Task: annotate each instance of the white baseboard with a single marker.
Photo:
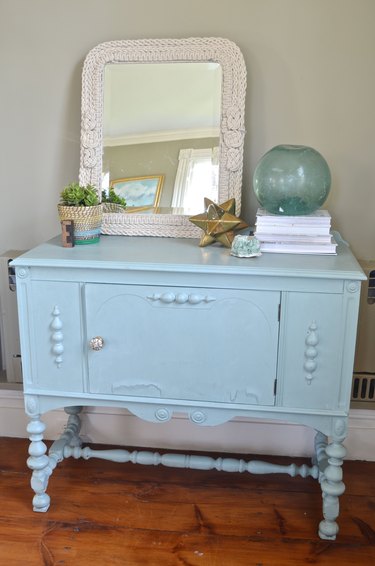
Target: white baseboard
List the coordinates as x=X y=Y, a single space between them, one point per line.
x=116 y=426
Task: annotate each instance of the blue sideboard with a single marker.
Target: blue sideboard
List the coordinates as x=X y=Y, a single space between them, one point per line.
x=160 y=325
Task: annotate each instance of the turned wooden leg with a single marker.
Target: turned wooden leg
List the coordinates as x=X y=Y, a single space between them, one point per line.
x=332 y=487
x=73 y=425
x=70 y=437
x=38 y=461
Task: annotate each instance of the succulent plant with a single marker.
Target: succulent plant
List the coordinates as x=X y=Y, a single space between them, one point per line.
x=113 y=197
x=77 y=195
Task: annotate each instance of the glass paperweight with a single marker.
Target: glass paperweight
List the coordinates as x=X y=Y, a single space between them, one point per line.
x=292 y=180
x=245 y=246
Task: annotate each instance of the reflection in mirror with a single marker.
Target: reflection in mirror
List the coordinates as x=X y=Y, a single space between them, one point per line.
x=140 y=193
x=171 y=109
x=163 y=119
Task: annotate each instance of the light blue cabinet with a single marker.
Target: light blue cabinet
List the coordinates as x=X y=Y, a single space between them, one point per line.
x=159 y=326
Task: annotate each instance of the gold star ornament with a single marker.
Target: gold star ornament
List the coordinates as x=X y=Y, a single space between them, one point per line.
x=218 y=222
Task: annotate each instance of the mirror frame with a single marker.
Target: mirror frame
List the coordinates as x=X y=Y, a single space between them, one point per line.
x=232 y=127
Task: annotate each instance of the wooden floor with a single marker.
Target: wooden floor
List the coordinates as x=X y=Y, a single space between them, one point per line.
x=106 y=514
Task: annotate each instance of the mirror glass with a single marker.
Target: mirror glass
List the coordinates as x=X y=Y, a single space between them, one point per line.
x=161 y=134
x=163 y=124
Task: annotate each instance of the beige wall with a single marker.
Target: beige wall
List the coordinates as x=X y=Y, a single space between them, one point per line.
x=310 y=81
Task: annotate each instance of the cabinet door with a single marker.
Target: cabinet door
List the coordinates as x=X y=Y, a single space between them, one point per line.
x=188 y=344
x=56 y=347
x=310 y=350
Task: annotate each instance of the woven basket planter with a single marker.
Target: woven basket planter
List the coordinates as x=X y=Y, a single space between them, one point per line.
x=87 y=222
x=112 y=207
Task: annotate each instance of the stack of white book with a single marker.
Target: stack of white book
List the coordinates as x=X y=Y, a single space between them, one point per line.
x=310 y=234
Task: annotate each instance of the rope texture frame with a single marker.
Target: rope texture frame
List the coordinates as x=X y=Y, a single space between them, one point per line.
x=232 y=127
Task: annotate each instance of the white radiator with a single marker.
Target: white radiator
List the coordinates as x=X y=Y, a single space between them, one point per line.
x=9 y=334
x=363 y=390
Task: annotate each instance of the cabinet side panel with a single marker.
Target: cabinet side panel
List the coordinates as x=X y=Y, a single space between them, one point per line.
x=311 y=350
x=57 y=331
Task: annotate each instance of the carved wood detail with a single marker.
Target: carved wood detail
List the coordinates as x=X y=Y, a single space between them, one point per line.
x=311 y=341
x=181 y=298
x=57 y=336
x=193 y=462
x=38 y=461
x=332 y=487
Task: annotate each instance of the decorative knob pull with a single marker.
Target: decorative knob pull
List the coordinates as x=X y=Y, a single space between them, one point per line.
x=96 y=343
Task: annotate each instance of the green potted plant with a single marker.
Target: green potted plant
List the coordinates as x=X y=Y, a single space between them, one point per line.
x=112 y=202
x=81 y=205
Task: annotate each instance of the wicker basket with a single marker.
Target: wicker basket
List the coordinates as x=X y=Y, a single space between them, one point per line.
x=112 y=207
x=87 y=221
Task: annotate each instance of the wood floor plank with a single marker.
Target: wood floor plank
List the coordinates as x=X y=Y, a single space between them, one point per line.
x=107 y=513
x=83 y=544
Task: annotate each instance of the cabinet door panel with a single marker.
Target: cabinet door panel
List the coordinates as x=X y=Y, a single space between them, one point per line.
x=310 y=345
x=188 y=344
x=57 y=351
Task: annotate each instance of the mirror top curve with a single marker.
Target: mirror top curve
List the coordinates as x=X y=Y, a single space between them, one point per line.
x=230 y=130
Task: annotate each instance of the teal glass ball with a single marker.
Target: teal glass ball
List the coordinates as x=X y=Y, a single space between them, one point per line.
x=292 y=180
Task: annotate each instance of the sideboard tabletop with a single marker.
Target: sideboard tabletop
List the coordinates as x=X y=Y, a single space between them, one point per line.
x=176 y=254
